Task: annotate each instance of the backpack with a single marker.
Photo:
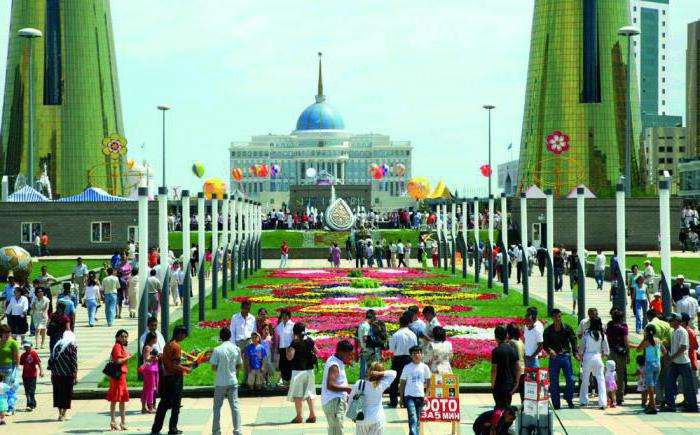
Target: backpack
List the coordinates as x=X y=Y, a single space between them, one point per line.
x=378 y=338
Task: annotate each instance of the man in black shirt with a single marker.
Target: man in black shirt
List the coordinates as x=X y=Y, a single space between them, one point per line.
x=505 y=372
x=560 y=342
x=677 y=289
x=496 y=422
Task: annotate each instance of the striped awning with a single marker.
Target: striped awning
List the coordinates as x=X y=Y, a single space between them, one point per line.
x=27 y=194
x=93 y=194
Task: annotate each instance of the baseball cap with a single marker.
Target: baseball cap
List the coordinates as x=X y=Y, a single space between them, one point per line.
x=680 y=277
x=26 y=343
x=674 y=316
x=657 y=295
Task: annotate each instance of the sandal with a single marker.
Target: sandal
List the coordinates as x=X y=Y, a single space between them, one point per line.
x=311 y=420
x=297 y=420
x=123 y=427
x=113 y=426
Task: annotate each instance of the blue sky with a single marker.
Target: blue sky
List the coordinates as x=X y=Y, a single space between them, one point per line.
x=415 y=70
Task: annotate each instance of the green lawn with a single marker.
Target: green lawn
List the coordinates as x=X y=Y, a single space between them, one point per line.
x=60 y=268
x=203 y=338
x=688 y=267
x=324 y=239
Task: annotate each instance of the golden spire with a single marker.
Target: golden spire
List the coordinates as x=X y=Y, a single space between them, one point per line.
x=319 y=95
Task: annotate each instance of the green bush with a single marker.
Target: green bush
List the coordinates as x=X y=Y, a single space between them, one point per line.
x=372 y=302
x=355 y=273
x=364 y=283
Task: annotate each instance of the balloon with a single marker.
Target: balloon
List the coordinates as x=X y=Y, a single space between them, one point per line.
x=237 y=174
x=214 y=186
x=399 y=169
x=253 y=169
x=377 y=175
x=418 y=188
x=198 y=170
x=385 y=168
x=310 y=173
x=263 y=171
x=130 y=163
x=275 y=169
x=485 y=170
x=376 y=172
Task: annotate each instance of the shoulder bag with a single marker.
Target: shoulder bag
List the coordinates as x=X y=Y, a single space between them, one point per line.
x=355 y=410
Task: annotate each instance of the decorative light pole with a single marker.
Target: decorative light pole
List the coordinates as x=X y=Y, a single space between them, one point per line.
x=489 y=108
x=629 y=32
x=30 y=34
x=163 y=109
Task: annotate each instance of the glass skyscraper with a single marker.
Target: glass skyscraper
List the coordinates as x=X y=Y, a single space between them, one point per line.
x=76 y=95
x=577 y=86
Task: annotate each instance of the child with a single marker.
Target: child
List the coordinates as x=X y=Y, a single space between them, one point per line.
x=641 y=381
x=574 y=296
x=610 y=383
x=657 y=304
x=266 y=342
x=255 y=355
x=414 y=379
x=29 y=362
x=4 y=389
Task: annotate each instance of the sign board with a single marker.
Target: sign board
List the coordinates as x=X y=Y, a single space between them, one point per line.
x=442 y=402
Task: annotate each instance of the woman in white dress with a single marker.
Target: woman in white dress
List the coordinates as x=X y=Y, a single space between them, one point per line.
x=591 y=350
x=438 y=352
x=379 y=380
x=40 y=316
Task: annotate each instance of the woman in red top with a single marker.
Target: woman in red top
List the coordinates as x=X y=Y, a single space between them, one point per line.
x=284 y=254
x=153 y=258
x=118 y=393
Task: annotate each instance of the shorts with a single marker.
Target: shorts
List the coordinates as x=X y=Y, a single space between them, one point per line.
x=651 y=373
x=302 y=385
x=255 y=377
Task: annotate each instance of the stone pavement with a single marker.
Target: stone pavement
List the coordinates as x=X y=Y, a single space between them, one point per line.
x=263 y=416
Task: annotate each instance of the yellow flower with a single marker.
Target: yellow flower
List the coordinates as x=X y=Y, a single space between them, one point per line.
x=114 y=146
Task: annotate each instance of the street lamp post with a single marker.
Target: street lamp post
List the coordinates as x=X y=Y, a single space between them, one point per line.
x=489 y=108
x=163 y=109
x=629 y=32
x=30 y=33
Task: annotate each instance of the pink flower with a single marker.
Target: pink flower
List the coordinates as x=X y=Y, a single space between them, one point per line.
x=558 y=142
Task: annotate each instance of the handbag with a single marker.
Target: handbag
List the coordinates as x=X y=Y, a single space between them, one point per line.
x=112 y=370
x=355 y=410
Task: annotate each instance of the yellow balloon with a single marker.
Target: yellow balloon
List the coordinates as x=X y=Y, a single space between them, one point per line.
x=131 y=163
x=418 y=188
x=214 y=186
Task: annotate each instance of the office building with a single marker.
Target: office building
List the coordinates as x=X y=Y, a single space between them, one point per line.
x=664 y=149
x=692 y=93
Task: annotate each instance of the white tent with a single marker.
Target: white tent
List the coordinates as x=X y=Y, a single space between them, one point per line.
x=534 y=192
x=586 y=192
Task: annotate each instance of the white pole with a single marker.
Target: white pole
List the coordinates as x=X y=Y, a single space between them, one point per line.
x=621 y=224
x=454 y=221
x=491 y=213
x=224 y=215
x=201 y=238
x=550 y=224
x=581 y=226
x=476 y=223
x=504 y=223
x=214 y=224
x=143 y=254
x=163 y=230
x=464 y=225
x=523 y=222
x=186 y=245
x=665 y=230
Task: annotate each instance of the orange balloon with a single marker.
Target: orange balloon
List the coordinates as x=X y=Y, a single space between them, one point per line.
x=237 y=174
x=418 y=188
x=214 y=186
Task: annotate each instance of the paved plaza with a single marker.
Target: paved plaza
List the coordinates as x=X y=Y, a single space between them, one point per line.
x=262 y=416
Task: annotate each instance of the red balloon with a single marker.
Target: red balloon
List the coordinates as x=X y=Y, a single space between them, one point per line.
x=378 y=175
x=485 y=170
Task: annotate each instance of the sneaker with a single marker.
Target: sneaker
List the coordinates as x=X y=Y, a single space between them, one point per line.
x=570 y=404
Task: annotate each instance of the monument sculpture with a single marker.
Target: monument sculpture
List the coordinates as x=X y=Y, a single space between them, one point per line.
x=339 y=216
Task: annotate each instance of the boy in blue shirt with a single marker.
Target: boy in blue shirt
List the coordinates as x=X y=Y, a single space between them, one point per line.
x=255 y=355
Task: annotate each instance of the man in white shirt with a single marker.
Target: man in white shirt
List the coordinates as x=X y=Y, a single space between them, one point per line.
x=110 y=284
x=16 y=311
x=531 y=252
x=599 y=269
x=680 y=366
x=242 y=326
x=335 y=387
x=518 y=257
x=400 y=345
x=414 y=379
x=688 y=305
x=152 y=327
x=534 y=338
x=176 y=280
x=79 y=277
x=400 y=253
x=226 y=361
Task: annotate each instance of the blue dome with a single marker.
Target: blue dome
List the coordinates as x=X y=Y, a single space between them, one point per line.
x=320 y=116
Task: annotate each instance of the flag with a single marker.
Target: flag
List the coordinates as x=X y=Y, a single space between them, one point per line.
x=510 y=146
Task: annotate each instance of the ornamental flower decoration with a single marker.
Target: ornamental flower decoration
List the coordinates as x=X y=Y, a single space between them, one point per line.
x=558 y=142
x=114 y=146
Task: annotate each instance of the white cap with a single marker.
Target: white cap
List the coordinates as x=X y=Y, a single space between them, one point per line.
x=680 y=277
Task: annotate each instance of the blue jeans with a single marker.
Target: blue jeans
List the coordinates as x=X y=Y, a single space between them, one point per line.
x=229 y=393
x=91 y=305
x=379 y=261
x=532 y=363
x=367 y=357
x=558 y=278
x=9 y=373
x=556 y=364
x=689 y=390
x=599 y=274
x=414 y=406
x=110 y=307
x=640 y=313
